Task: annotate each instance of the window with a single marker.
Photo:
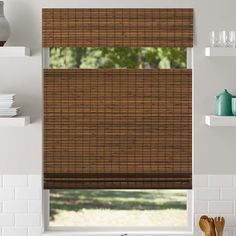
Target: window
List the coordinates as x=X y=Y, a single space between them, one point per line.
x=139 y=58
x=117 y=119
x=119 y=208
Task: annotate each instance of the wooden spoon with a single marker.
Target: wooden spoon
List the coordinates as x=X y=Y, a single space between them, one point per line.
x=204 y=217
x=212 y=225
x=219 y=225
x=205 y=227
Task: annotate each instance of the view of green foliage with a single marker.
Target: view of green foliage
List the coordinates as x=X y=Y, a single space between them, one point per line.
x=112 y=207
x=163 y=58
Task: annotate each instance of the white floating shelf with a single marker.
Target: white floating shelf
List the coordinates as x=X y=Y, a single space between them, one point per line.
x=220 y=52
x=212 y=120
x=14 y=51
x=18 y=121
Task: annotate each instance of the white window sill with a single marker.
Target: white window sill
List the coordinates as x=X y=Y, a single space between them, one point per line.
x=73 y=233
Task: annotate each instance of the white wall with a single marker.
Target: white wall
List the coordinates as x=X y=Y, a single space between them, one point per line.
x=21 y=148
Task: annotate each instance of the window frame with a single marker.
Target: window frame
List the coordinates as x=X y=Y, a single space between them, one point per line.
x=120 y=231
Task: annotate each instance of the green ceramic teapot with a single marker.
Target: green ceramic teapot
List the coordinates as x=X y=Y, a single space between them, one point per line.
x=223 y=104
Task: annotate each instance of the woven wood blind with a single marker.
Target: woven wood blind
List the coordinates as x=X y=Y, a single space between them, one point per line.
x=118 y=129
x=117 y=27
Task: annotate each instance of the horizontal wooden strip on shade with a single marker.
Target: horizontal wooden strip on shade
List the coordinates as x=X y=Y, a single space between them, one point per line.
x=117 y=27
x=129 y=181
x=179 y=183
x=101 y=137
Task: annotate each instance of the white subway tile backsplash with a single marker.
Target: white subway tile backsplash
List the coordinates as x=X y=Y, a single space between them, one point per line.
x=197 y=231
x=200 y=207
x=28 y=193
x=200 y=181
x=228 y=193
x=34 y=206
x=218 y=199
x=20 y=205
x=10 y=231
x=7 y=220
x=230 y=220
x=221 y=207
x=7 y=193
x=15 y=181
x=207 y=193
x=15 y=206
x=221 y=180
x=35 y=181
x=35 y=231
x=235 y=181
x=229 y=232
x=27 y=220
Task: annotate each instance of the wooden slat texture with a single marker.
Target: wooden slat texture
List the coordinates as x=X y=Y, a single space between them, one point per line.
x=117 y=27
x=118 y=129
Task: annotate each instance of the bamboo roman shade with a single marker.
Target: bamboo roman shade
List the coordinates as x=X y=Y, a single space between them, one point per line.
x=117 y=28
x=117 y=128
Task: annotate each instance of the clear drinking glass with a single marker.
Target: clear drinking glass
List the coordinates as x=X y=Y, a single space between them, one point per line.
x=231 y=39
x=222 y=39
x=213 y=39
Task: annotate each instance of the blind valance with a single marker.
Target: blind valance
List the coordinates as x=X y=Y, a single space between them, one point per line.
x=117 y=27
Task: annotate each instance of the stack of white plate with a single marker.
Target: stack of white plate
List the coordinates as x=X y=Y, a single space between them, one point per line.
x=6 y=106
